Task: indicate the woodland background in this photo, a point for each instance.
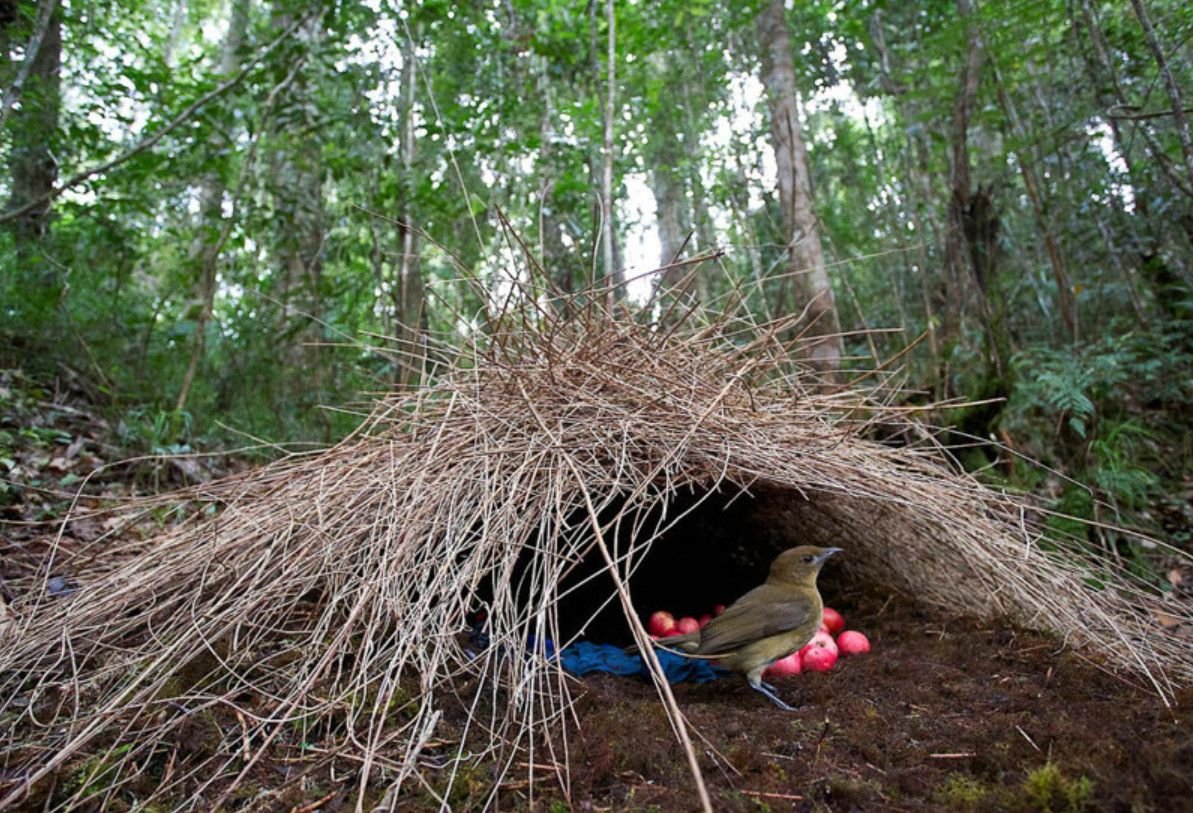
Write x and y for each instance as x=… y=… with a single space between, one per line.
x=229 y=220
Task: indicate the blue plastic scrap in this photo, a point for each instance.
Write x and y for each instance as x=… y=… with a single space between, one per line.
x=584 y=657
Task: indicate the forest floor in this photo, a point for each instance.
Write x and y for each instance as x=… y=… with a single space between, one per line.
x=943 y=714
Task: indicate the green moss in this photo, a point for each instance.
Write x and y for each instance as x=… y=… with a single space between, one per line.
x=98 y=773
x=961 y=792
x=467 y=787
x=1050 y=791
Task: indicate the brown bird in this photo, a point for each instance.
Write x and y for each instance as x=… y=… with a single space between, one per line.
x=766 y=624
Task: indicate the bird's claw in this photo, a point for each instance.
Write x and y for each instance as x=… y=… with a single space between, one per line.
x=768 y=691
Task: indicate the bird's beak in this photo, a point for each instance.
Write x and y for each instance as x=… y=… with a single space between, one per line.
x=822 y=558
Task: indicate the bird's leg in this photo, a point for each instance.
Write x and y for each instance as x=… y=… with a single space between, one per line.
x=768 y=691
x=768 y=687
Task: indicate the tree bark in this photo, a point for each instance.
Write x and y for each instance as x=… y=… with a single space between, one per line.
x=959 y=186
x=664 y=154
x=411 y=313
x=613 y=276
x=559 y=266
x=800 y=229
x=297 y=193
x=973 y=225
x=32 y=167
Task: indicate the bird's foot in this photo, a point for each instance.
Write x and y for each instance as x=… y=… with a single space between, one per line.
x=768 y=691
x=768 y=687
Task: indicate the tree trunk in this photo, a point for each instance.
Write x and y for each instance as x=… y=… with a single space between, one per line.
x=559 y=268
x=665 y=157
x=801 y=234
x=32 y=167
x=1174 y=93
x=1068 y=307
x=203 y=255
x=299 y=219
x=410 y=311
x=613 y=275
x=971 y=241
x=1155 y=151
x=959 y=188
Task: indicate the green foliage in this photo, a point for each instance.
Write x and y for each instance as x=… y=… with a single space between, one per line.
x=961 y=792
x=1064 y=384
x=1049 y=790
x=159 y=432
x=99 y=773
x=288 y=193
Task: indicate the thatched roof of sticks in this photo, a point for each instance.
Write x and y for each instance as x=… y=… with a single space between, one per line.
x=331 y=586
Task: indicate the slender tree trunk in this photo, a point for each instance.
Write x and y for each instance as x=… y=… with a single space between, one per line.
x=203 y=255
x=1068 y=307
x=1155 y=151
x=701 y=217
x=411 y=307
x=801 y=233
x=669 y=201
x=176 y=25
x=959 y=187
x=613 y=275
x=559 y=267
x=1174 y=93
x=31 y=164
x=299 y=228
x=665 y=156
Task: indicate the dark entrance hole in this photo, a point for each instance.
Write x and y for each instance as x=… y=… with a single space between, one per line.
x=721 y=547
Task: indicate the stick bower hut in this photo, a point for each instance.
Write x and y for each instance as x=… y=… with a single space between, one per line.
x=567 y=479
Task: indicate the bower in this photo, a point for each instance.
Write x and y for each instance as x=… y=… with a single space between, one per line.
x=566 y=475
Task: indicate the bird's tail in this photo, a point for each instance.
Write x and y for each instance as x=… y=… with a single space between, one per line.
x=685 y=645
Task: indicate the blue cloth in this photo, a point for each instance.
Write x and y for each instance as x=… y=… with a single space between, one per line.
x=584 y=657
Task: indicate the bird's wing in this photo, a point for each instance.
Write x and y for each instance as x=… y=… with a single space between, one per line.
x=758 y=614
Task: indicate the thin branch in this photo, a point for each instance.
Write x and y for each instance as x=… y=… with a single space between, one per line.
x=1120 y=111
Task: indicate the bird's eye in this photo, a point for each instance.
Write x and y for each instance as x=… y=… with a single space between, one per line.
x=808 y=559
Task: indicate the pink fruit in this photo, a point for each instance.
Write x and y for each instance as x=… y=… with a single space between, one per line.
x=704 y=619
x=687 y=624
x=818 y=659
x=821 y=640
x=823 y=628
x=852 y=642
x=661 y=623
x=785 y=666
x=833 y=620
x=717 y=609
